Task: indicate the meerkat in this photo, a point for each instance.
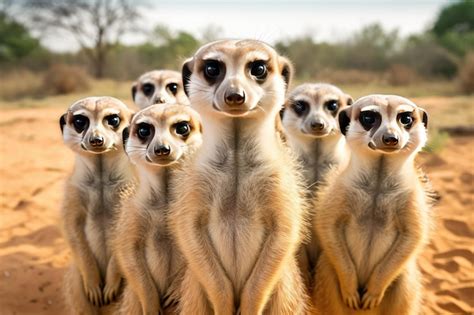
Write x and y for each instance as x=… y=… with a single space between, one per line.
x=238 y=219
x=92 y=128
x=158 y=87
x=310 y=126
x=373 y=215
x=160 y=138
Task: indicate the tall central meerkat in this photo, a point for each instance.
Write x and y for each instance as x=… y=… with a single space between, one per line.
x=102 y=175
x=161 y=137
x=309 y=120
x=239 y=217
x=373 y=216
x=158 y=87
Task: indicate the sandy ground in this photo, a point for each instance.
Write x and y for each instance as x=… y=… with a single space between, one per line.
x=33 y=255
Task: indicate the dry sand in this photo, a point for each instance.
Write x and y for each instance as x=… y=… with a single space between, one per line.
x=33 y=255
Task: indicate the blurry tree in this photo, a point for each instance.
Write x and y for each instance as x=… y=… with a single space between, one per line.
x=96 y=25
x=454 y=26
x=211 y=33
x=15 y=40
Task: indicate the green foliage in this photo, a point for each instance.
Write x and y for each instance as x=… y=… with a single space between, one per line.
x=455 y=27
x=436 y=142
x=15 y=40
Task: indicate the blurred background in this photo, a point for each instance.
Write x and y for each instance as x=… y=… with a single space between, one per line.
x=55 y=52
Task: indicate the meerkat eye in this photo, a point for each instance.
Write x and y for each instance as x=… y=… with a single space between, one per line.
x=173 y=88
x=258 y=69
x=211 y=69
x=368 y=119
x=300 y=107
x=406 y=119
x=80 y=122
x=332 y=105
x=182 y=128
x=113 y=120
x=148 y=89
x=144 y=131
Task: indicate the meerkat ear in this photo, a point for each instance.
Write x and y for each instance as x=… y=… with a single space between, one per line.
x=62 y=121
x=134 y=90
x=286 y=71
x=349 y=100
x=125 y=136
x=424 y=117
x=344 y=119
x=186 y=72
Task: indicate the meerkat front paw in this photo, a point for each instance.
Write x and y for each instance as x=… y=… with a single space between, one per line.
x=350 y=294
x=111 y=289
x=373 y=295
x=93 y=290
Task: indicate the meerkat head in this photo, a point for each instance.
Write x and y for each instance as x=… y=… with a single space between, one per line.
x=161 y=134
x=157 y=87
x=94 y=125
x=311 y=110
x=236 y=78
x=384 y=124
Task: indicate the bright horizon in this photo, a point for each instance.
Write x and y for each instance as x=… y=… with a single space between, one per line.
x=271 y=21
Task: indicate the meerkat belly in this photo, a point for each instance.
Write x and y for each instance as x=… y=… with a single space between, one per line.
x=369 y=239
x=236 y=229
x=160 y=258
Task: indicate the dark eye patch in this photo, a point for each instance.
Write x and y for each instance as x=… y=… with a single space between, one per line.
x=406 y=119
x=172 y=88
x=259 y=70
x=148 y=89
x=368 y=119
x=144 y=131
x=182 y=128
x=212 y=70
x=80 y=123
x=113 y=120
x=332 y=106
x=300 y=107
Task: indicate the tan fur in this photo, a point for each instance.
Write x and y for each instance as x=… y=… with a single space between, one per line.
x=162 y=82
x=91 y=200
x=311 y=129
x=145 y=250
x=373 y=217
x=238 y=219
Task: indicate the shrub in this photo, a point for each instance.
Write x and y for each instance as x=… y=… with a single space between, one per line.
x=399 y=74
x=20 y=84
x=64 y=79
x=466 y=74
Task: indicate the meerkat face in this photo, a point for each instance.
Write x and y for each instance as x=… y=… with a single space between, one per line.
x=311 y=110
x=95 y=125
x=236 y=78
x=384 y=124
x=157 y=87
x=161 y=134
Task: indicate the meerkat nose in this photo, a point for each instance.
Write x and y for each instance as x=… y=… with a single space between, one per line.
x=162 y=150
x=96 y=141
x=317 y=125
x=234 y=97
x=390 y=139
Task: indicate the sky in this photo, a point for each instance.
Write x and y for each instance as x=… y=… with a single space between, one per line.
x=273 y=20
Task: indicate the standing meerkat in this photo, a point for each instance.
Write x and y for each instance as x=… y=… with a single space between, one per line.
x=309 y=120
x=92 y=128
x=161 y=137
x=158 y=87
x=373 y=216
x=238 y=219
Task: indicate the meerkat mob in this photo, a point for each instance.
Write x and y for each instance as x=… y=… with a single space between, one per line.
x=373 y=216
x=92 y=128
x=161 y=137
x=309 y=120
x=158 y=87
x=238 y=219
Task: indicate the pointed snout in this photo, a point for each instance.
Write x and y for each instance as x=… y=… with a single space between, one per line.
x=96 y=141
x=234 y=96
x=162 y=150
x=390 y=139
x=159 y=100
x=317 y=124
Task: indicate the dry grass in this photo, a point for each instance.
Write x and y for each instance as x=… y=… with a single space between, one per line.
x=20 y=84
x=65 y=79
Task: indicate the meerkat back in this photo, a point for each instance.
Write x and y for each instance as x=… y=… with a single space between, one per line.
x=373 y=215
x=159 y=87
x=238 y=219
x=92 y=129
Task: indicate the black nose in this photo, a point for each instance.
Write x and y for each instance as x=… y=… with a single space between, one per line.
x=317 y=125
x=233 y=98
x=160 y=100
x=96 y=141
x=390 y=139
x=162 y=150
